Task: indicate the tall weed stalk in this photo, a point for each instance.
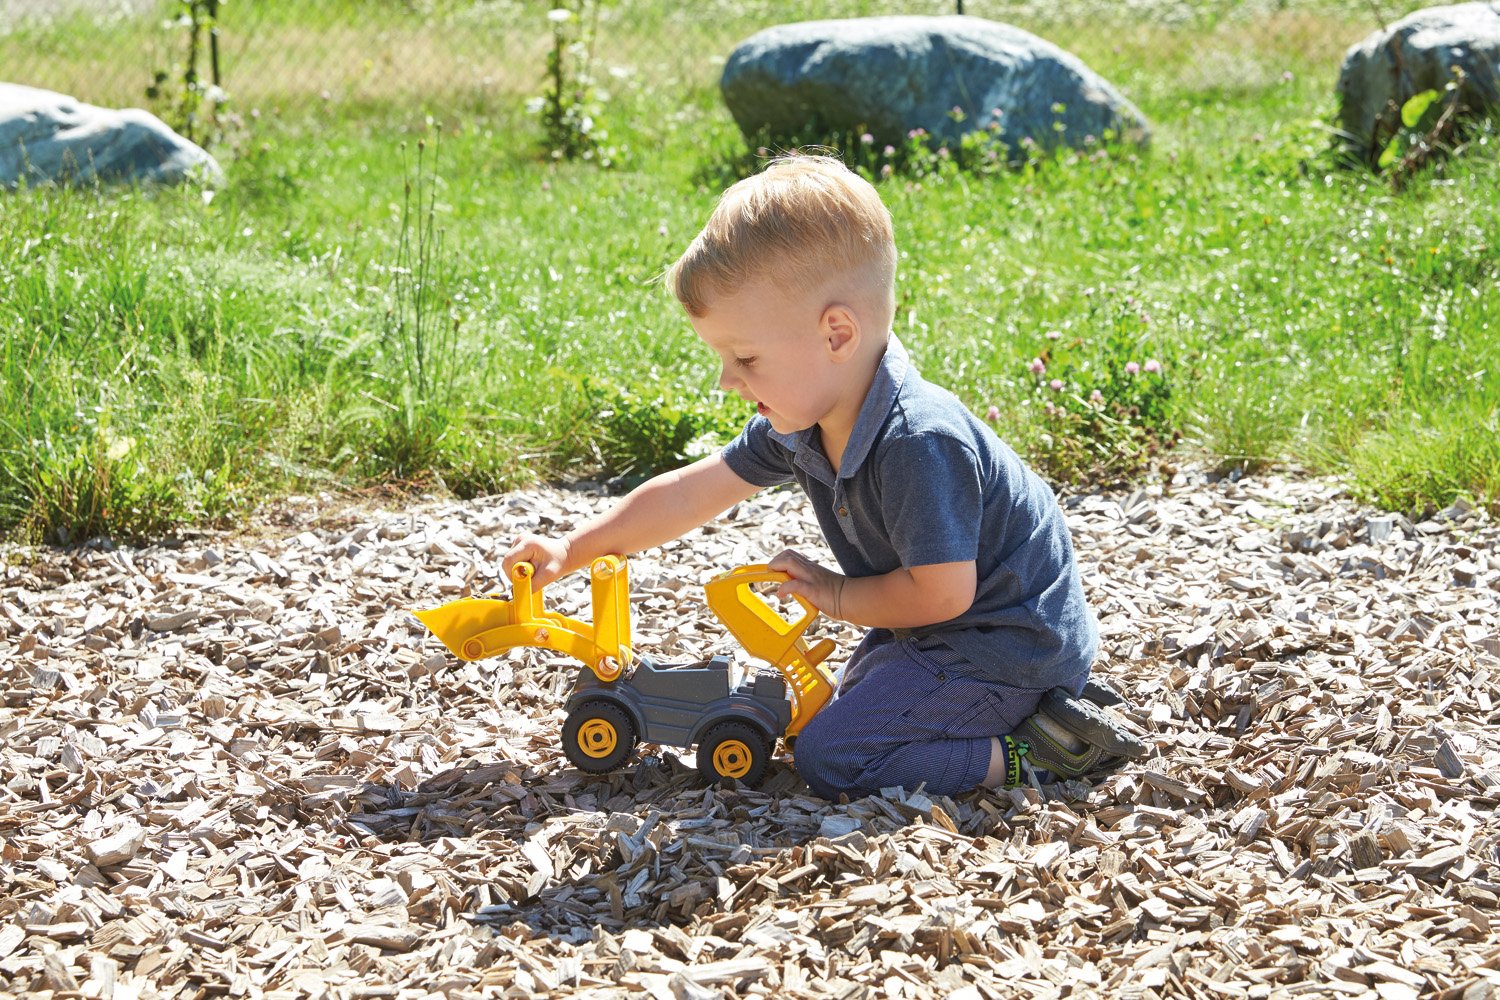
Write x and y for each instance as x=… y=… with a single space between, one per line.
x=418 y=364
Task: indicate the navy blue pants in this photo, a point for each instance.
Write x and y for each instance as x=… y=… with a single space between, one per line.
x=908 y=713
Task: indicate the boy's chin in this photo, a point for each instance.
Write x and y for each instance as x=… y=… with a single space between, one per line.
x=781 y=425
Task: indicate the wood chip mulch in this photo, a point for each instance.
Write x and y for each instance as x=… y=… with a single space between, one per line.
x=236 y=767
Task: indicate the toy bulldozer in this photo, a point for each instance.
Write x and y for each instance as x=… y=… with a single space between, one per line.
x=621 y=698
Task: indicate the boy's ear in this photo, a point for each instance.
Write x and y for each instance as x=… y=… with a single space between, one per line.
x=840 y=330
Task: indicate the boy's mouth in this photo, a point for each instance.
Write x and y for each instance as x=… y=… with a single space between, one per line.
x=762 y=409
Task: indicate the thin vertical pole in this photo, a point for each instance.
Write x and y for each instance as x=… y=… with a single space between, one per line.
x=213 y=38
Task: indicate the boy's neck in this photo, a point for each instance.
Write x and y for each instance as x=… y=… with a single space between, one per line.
x=835 y=429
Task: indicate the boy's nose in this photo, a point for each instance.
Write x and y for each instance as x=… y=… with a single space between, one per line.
x=726 y=381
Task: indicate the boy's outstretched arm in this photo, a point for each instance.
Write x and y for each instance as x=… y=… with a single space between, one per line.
x=902 y=598
x=657 y=511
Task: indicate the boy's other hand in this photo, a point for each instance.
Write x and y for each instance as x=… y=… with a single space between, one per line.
x=814 y=583
x=548 y=556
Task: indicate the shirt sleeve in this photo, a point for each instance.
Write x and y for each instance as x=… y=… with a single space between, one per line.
x=756 y=458
x=931 y=499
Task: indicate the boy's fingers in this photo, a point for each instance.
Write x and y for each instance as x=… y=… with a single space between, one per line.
x=785 y=560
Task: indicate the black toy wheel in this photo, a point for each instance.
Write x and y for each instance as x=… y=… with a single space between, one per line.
x=734 y=749
x=598 y=736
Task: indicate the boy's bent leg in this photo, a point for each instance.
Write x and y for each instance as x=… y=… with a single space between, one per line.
x=913 y=719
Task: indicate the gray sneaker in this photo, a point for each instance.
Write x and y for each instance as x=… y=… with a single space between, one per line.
x=1102 y=692
x=1071 y=736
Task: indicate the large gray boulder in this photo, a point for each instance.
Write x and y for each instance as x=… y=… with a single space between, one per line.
x=890 y=75
x=1417 y=53
x=46 y=137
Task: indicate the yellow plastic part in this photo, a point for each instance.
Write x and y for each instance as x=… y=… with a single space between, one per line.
x=732 y=759
x=474 y=628
x=770 y=637
x=597 y=738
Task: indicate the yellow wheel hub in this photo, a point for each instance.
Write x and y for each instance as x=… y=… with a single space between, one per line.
x=732 y=759
x=597 y=738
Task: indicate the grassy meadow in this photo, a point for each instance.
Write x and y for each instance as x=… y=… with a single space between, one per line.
x=396 y=286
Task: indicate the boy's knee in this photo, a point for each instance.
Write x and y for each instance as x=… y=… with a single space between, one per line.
x=814 y=759
x=826 y=763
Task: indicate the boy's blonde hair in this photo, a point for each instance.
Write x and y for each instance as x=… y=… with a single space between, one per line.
x=802 y=220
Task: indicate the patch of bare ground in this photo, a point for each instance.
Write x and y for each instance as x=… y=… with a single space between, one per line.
x=238 y=767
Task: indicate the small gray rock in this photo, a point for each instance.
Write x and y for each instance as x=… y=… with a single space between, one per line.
x=890 y=75
x=49 y=138
x=1417 y=53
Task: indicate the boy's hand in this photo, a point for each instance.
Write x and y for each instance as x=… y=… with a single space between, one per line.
x=818 y=585
x=548 y=556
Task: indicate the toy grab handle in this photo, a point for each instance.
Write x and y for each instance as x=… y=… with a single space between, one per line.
x=738 y=582
x=762 y=573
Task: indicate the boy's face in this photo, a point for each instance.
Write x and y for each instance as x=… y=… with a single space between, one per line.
x=773 y=353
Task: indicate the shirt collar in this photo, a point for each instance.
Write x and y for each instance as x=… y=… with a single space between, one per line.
x=884 y=390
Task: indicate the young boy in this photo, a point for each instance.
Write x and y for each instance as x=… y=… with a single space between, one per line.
x=951 y=550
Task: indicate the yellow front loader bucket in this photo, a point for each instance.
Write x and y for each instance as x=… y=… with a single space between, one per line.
x=474 y=628
x=768 y=636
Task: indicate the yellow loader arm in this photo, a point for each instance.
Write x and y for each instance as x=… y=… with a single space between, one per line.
x=768 y=636
x=474 y=628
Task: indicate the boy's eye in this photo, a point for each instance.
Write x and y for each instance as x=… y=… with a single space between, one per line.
x=744 y=362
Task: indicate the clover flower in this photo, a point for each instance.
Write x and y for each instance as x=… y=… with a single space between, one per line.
x=1038 y=366
x=1131 y=368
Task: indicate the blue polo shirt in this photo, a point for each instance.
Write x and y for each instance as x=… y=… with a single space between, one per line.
x=924 y=481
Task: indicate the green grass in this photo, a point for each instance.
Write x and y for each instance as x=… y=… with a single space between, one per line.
x=170 y=359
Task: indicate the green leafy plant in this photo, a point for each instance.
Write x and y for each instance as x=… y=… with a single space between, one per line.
x=572 y=106
x=641 y=430
x=1429 y=124
x=180 y=95
x=1105 y=398
x=102 y=484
